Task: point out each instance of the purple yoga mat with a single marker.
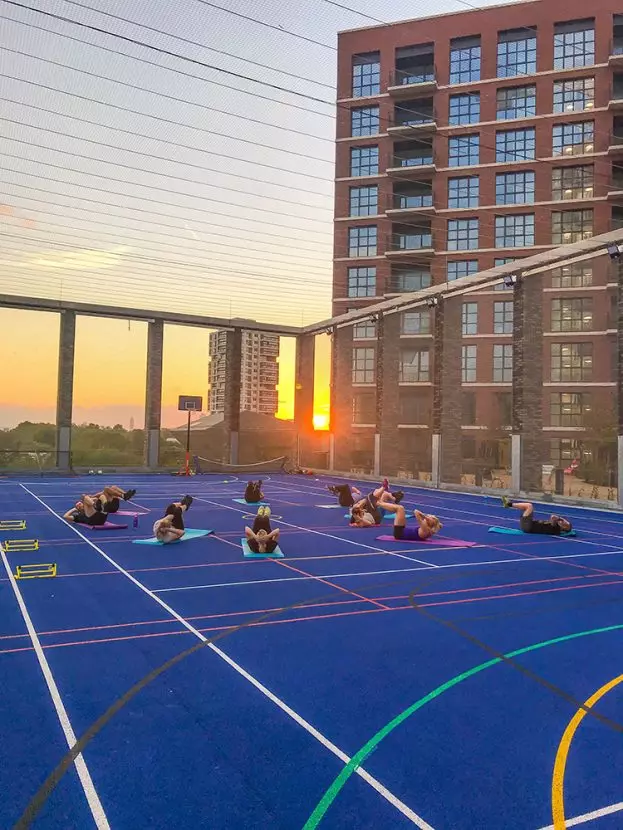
(446, 543)
(107, 526)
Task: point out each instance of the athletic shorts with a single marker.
(111, 506)
(96, 520)
(410, 534)
(525, 523)
(178, 516)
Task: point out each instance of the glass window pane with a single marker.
(364, 121)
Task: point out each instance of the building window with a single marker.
(514, 230)
(461, 268)
(516, 102)
(503, 318)
(504, 401)
(572, 314)
(463, 192)
(462, 234)
(574, 95)
(411, 279)
(414, 366)
(464, 108)
(415, 322)
(577, 275)
(362, 282)
(468, 364)
(514, 188)
(516, 52)
(464, 150)
(568, 409)
(366, 75)
(464, 60)
(515, 145)
(364, 121)
(364, 408)
(366, 330)
(571, 226)
(364, 161)
(574, 44)
(469, 318)
(502, 363)
(363, 365)
(571, 362)
(572, 182)
(364, 201)
(468, 409)
(362, 241)
(573, 139)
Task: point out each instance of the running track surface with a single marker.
(319, 659)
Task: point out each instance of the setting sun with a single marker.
(321, 421)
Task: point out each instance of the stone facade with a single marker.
(342, 396)
(65, 390)
(231, 414)
(153, 392)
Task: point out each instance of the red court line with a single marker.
(331, 584)
(312, 617)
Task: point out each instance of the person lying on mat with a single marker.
(253, 492)
(86, 512)
(428, 524)
(367, 511)
(344, 493)
(171, 527)
(109, 497)
(554, 526)
(261, 538)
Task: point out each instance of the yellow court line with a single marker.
(558, 778)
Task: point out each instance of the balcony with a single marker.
(407, 82)
(616, 97)
(616, 53)
(411, 159)
(413, 118)
(405, 241)
(408, 202)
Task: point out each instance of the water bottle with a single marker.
(135, 520)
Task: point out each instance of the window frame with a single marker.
(353, 282)
(566, 40)
(503, 317)
(577, 225)
(422, 322)
(464, 150)
(469, 319)
(464, 108)
(571, 314)
(468, 266)
(419, 364)
(577, 404)
(368, 118)
(506, 137)
(508, 102)
(584, 173)
(363, 365)
(359, 161)
(463, 192)
(363, 200)
(574, 366)
(469, 364)
(465, 60)
(566, 88)
(526, 221)
(362, 241)
(461, 231)
(365, 82)
(572, 129)
(511, 196)
(502, 363)
(525, 62)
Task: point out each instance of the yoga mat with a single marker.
(129, 513)
(515, 531)
(432, 540)
(384, 515)
(248, 553)
(329, 506)
(190, 534)
(106, 526)
(252, 503)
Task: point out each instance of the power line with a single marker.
(196, 43)
(167, 52)
(268, 25)
(163, 158)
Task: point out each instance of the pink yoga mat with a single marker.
(129, 513)
(107, 526)
(446, 543)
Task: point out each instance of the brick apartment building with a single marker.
(465, 141)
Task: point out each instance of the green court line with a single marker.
(360, 756)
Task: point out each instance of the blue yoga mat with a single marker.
(252, 503)
(515, 531)
(189, 534)
(248, 553)
(384, 515)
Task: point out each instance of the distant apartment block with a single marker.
(259, 372)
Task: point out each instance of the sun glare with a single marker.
(321, 421)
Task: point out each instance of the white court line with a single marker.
(604, 811)
(95, 805)
(369, 779)
(482, 563)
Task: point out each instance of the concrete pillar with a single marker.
(231, 414)
(153, 392)
(618, 370)
(342, 397)
(528, 383)
(388, 394)
(447, 392)
(65, 390)
(304, 397)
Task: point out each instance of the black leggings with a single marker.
(252, 493)
(178, 516)
(261, 523)
(344, 495)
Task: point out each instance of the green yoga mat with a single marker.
(189, 534)
(514, 531)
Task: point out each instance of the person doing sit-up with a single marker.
(344, 493)
(87, 512)
(428, 524)
(171, 527)
(367, 511)
(109, 497)
(261, 538)
(554, 526)
(253, 492)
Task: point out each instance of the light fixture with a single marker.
(614, 250)
(374, 318)
(432, 302)
(510, 280)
